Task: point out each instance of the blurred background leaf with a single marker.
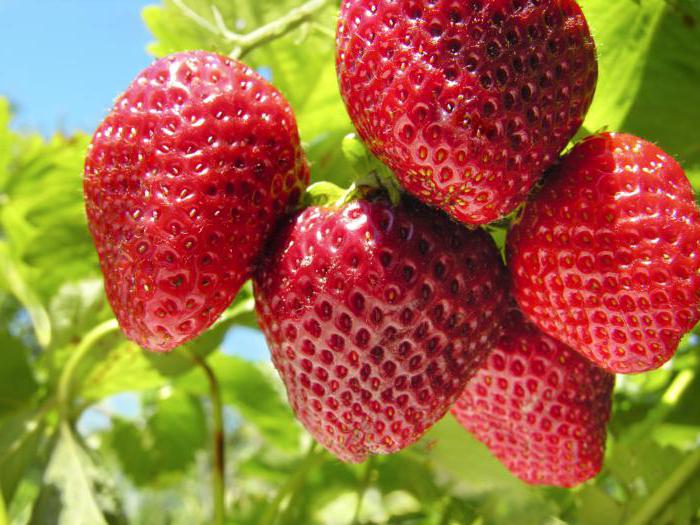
(136, 447)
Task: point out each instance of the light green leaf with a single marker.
(12, 279)
(453, 450)
(324, 194)
(597, 508)
(3, 512)
(116, 365)
(42, 216)
(115, 369)
(649, 72)
(624, 32)
(165, 447)
(68, 495)
(19, 438)
(5, 140)
(665, 110)
(75, 309)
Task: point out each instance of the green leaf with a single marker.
(11, 278)
(3, 512)
(115, 369)
(649, 72)
(598, 508)
(644, 469)
(166, 445)
(42, 216)
(624, 32)
(323, 194)
(255, 393)
(19, 438)
(75, 309)
(71, 488)
(453, 450)
(17, 382)
(5, 140)
(357, 155)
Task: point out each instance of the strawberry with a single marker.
(539, 406)
(606, 257)
(376, 316)
(467, 102)
(184, 180)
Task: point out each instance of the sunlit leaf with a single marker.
(73, 491)
(19, 438)
(173, 432)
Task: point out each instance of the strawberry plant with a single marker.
(480, 207)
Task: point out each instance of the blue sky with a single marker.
(65, 61)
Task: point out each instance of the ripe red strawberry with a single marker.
(539, 406)
(376, 317)
(184, 179)
(606, 257)
(468, 102)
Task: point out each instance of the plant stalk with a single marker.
(292, 485)
(661, 411)
(362, 489)
(219, 469)
(65, 383)
(280, 27)
(667, 490)
(245, 43)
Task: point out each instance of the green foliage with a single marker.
(649, 73)
(73, 490)
(62, 361)
(19, 439)
(174, 429)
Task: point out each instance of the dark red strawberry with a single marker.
(606, 257)
(540, 407)
(468, 102)
(376, 317)
(184, 179)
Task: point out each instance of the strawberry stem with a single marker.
(245, 43)
(294, 482)
(65, 382)
(667, 490)
(660, 412)
(362, 489)
(218, 445)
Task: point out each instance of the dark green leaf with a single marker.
(17, 382)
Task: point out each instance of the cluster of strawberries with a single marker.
(382, 316)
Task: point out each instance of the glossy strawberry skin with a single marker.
(606, 256)
(376, 317)
(540, 407)
(184, 180)
(468, 102)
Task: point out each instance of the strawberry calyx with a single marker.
(372, 179)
